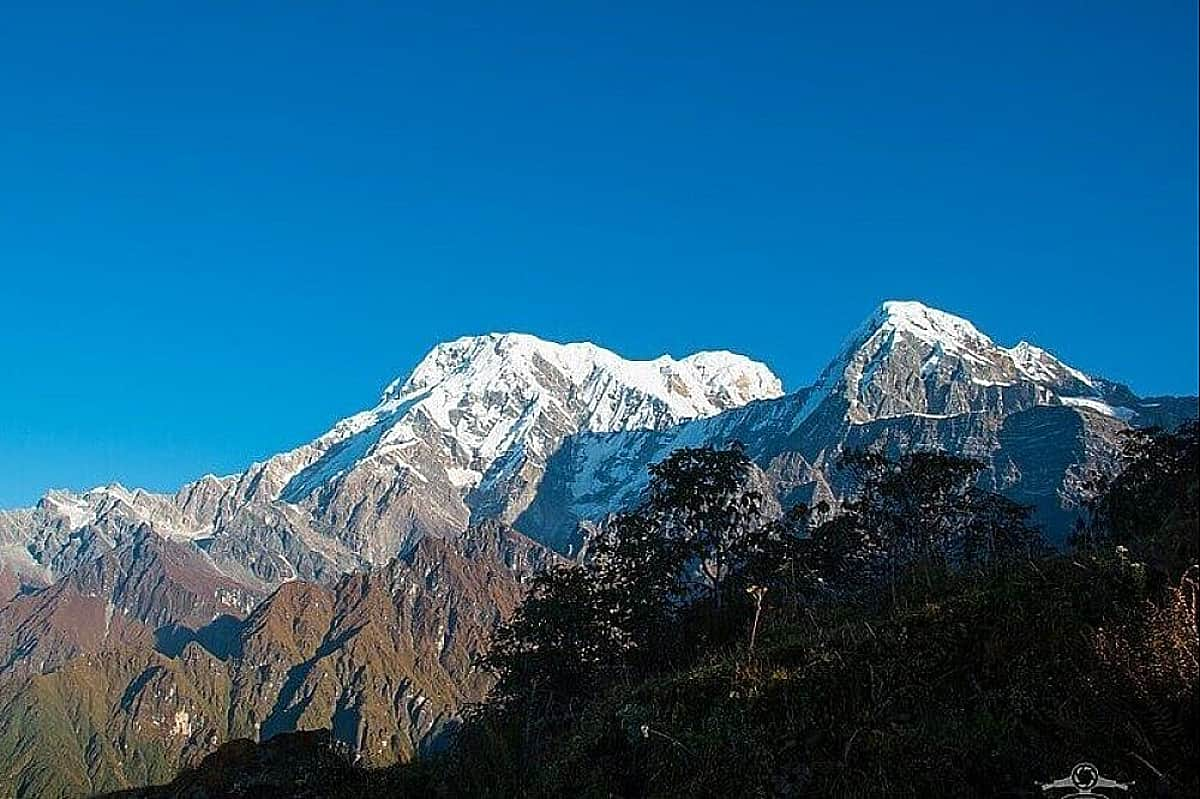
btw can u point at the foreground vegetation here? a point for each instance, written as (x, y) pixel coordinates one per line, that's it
(921, 643)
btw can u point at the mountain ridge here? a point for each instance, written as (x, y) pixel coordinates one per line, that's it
(347, 583)
(475, 417)
(467, 435)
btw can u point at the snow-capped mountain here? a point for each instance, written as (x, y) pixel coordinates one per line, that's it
(907, 358)
(542, 435)
(463, 438)
(908, 377)
(387, 545)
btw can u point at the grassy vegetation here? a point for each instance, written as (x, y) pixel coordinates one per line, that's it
(978, 689)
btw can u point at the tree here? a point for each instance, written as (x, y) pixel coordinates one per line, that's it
(1150, 507)
(997, 531)
(637, 579)
(556, 644)
(706, 501)
(919, 515)
(584, 625)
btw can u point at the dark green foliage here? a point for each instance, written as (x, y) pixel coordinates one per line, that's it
(558, 640)
(955, 697)
(915, 519)
(619, 614)
(921, 642)
(1150, 507)
(704, 501)
(913, 686)
(652, 588)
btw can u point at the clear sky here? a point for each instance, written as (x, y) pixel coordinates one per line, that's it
(225, 225)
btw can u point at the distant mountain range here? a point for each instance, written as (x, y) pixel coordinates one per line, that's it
(348, 582)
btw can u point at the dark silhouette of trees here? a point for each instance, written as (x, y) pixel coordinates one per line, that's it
(705, 501)
(679, 573)
(1150, 506)
(614, 615)
(917, 517)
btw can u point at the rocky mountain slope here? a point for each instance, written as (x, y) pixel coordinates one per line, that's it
(543, 436)
(382, 657)
(348, 583)
(464, 438)
(910, 377)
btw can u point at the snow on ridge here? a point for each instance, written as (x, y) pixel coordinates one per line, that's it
(1116, 412)
(78, 510)
(74, 508)
(500, 355)
(929, 323)
(466, 378)
(1041, 366)
(950, 334)
(746, 379)
(946, 333)
(492, 395)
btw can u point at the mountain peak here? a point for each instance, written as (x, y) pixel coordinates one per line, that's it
(908, 358)
(876, 336)
(480, 415)
(700, 384)
(926, 323)
(950, 333)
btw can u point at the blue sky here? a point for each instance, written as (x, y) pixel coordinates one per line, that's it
(223, 226)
